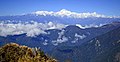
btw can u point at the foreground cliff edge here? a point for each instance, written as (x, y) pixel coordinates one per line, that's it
(16, 53)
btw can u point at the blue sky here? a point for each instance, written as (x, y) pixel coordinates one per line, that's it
(14, 7)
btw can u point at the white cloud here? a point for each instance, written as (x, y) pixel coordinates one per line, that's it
(45, 42)
(80, 26)
(31, 29)
(60, 40)
(64, 12)
(77, 37)
(89, 26)
(34, 28)
(61, 34)
(52, 25)
(80, 36)
(75, 40)
(93, 25)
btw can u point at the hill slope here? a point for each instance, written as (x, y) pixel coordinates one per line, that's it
(103, 48)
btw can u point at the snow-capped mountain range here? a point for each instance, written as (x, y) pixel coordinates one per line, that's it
(67, 13)
(63, 16)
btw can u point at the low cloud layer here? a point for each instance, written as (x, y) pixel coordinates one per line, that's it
(31, 29)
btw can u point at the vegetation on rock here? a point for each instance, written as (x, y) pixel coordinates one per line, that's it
(15, 53)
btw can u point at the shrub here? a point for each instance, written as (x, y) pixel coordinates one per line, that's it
(15, 53)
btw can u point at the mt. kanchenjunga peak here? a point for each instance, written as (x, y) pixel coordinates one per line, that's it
(67, 13)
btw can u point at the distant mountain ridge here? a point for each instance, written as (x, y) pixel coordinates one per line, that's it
(63, 16)
(67, 13)
(103, 48)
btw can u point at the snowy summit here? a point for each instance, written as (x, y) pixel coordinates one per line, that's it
(67, 13)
